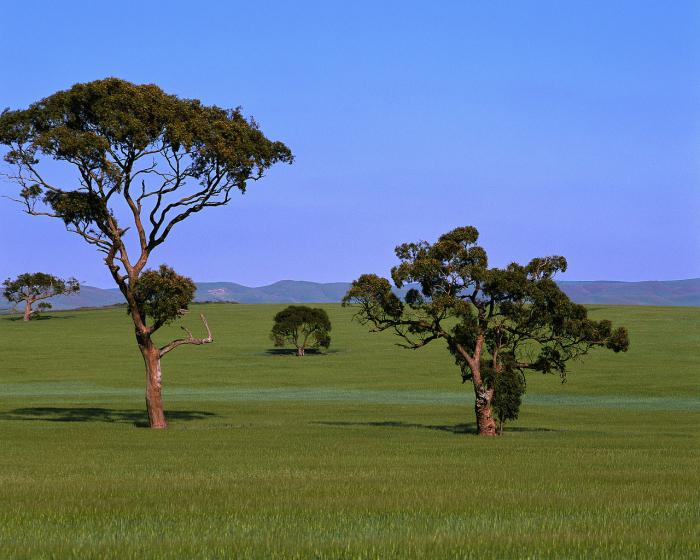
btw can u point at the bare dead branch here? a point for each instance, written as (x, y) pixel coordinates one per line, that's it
(189, 339)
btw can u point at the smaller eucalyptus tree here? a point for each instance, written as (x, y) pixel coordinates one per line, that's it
(498, 323)
(36, 287)
(301, 326)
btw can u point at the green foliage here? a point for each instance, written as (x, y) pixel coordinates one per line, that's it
(36, 286)
(302, 327)
(508, 389)
(78, 208)
(84, 123)
(165, 156)
(163, 295)
(517, 312)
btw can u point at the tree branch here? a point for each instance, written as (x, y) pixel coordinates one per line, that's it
(189, 339)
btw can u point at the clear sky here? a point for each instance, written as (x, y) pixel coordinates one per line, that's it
(553, 127)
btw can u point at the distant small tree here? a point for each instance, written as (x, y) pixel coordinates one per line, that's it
(36, 287)
(301, 326)
(497, 322)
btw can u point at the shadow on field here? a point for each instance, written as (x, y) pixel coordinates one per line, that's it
(14, 318)
(293, 352)
(136, 417)
(454, 429)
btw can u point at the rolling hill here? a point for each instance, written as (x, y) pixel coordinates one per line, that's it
(662, 293)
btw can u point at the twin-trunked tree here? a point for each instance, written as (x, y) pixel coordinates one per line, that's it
(143, 162)
(497, 323)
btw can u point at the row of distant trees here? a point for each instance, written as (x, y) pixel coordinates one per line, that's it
(146, 161)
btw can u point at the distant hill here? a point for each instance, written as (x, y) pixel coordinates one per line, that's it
(285, 291)
(665, 293)
(671, 292)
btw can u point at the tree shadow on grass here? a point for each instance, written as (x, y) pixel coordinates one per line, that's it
(14, 318)
(293, 352)
(469, 428)
(136, 417)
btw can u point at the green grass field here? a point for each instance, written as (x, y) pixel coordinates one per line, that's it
(366, 451)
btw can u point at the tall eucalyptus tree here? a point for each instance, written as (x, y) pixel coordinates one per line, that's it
(142, 162)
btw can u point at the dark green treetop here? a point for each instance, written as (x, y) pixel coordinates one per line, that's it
(492, 319)
(163, 295)
(302, 327)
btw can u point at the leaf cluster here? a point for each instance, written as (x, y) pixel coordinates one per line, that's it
(517, 311)
(166, 156)
(88, 121)
(302, 327)
(163, 295)
(509, 386)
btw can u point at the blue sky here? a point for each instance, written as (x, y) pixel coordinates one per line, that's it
(553, 127)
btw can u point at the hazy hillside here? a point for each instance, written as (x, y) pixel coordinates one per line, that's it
(669, 293)
(285, 291)
(675, 292)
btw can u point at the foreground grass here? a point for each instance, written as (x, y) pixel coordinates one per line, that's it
(366, 451)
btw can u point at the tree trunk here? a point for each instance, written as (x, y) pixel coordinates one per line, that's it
(154, 402)
(485, 422)
(27, 309)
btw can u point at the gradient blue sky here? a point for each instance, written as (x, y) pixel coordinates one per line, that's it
(554, 127)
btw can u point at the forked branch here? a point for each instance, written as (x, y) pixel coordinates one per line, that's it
(189, 339)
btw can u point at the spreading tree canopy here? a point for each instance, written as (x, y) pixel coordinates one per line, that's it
(301, 326)
(142, 162)
(498, 323)
(35, 287)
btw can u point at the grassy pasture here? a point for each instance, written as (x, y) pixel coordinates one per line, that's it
(365, 451)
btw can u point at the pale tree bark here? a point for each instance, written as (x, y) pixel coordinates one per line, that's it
(154, 400)
(151, 357)
(483, 396)
(27, 308)
(301, 347)
(485, 421)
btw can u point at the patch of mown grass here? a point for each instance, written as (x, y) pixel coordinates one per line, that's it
(364, 452)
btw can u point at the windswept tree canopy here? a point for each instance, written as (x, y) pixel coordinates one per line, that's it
(139, 162)
(302, 327)
(37, 286)
(144, 161)
(494, 320)
(174, 156)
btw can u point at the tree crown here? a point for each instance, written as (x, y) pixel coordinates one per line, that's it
(37, 285)
(301, 326)
(518, 313)
(164, 157)
(163, 295)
